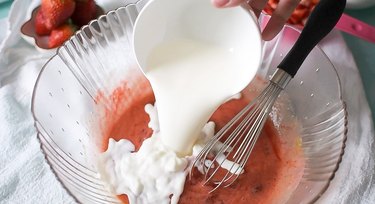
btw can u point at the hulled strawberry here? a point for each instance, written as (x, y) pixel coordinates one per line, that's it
(56, 12)
(40, 24)
(60, 35)
(84, 12)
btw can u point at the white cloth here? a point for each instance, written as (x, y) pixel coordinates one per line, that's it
(26, 178)
(354, 181)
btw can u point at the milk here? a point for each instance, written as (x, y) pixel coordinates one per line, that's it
(190, 79)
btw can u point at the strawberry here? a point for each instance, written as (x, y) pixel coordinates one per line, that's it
(40, 24)
(60, 35)
(85, 12)
(299, 15)
(56, 12)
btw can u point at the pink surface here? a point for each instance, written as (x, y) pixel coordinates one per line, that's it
(356, 27)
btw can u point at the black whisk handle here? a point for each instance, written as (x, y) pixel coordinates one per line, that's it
(322, 20)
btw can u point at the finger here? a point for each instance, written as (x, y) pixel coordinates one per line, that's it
(257, 6)
(219, 3)
(282, 13)
(227, 3)
(234, 3)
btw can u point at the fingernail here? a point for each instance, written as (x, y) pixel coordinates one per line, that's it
(220, 3)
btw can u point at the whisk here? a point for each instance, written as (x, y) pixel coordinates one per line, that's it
(223, 158)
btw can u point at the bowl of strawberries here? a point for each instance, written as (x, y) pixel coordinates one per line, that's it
(55, 21)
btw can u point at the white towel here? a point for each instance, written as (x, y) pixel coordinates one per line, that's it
(354, 181)
(26, 178)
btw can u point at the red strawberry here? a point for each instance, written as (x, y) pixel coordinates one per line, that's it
(40, 24)
(56, 12)
(85, 12)
(60, 35)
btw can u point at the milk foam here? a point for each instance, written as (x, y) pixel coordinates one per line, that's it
(152, 174)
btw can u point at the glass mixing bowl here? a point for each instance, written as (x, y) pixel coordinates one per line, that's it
(98, 58)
